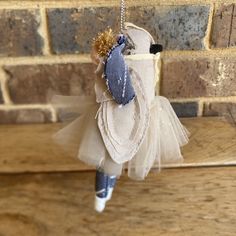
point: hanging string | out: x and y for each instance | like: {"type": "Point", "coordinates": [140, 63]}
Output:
{"type": "Point", "coordinates": [122, 14]}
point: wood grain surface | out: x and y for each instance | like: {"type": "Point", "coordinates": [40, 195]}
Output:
{"type": "Point", "coordinates": [29, 148]}
{"type": "Point", "coordinates": [178, 202]}
{"type": "Point", "coordinates": [212, 142]}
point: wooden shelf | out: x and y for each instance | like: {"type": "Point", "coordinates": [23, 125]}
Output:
{"type": "Point", "coordinates": [29, 148]}
{"type": "Point", "coordinates": [58, 201]}
{"type": "Point", "coordinates": [177, 202]}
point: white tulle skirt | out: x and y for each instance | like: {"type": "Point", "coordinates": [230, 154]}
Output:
{"type": "Point", "coordinates": [81, 137]}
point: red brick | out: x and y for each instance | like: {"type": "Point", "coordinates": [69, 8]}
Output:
{"type": "Point", "coordinates": [202, 77]}
{"type": "Point", "coordinates": [224, 109]}
{"type": "Point", "coordinates": [175, 27]}
{"type": "Point", "coordinates": [218, 108]}
{"type": "Point", "coordinates": [224, 29]}
{"type": "Point", "coordinates": [19, 33]}
{"type": "Point", "coordinates": [185, 109]}
{"type": "Point", "coordinates": [25, 116]}
{"type": "Point", "coordinates": [36, 83]}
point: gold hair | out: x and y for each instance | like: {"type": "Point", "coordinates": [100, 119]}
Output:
{"type": "Point", "coordinates": [104, 41]}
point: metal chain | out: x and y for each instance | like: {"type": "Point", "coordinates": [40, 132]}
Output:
{"type": "Point", "coordinates": [122, 14]}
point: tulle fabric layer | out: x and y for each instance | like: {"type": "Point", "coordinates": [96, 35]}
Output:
{"type": "Point", "coordinates": [162, 143]}
{"type": "Point", "coordinates": [81, 137]}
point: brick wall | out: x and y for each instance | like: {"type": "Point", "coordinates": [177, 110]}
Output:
{"type": "Point", "coordinates": [44, 48]}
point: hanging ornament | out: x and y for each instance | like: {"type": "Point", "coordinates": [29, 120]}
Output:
{"type": "Point", "coordinates": [125, 126]}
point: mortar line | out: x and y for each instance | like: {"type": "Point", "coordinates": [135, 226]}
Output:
{"type": "Point", "coordinates": [53, 113]}
{"type": "Point", "coordinates": [49, 106]}
{"type": "Point", "coordinates": [85, 58]}
{"type": "Point", "coordinates": [216, 52]}
{"type": "Point", "coordinates": [25, 106]}
{"type": "Point", "coordinates": [200, 108]}
{"type": "Point", "coordinates": [89, 3]}
{"type": "Point", "coordinates": [46, 59]}
{"type": "Point", "coordinates": [43, 31]}
{"type": "Point", "coordinates": [205, 99]}
{"type": "Point", "coordinates": [4, 87]}
{"type": "Point", "coordinates": [207, 39]}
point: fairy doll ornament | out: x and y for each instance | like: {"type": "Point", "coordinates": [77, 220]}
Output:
{"type": "Point", "coordinates": [125, 126]}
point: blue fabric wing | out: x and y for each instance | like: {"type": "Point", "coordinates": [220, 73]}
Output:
{"type": "Point", "coordinates": [117, 76]}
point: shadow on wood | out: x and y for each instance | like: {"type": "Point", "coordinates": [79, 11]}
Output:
{"type": "Point", "coordinates": [191, 202]}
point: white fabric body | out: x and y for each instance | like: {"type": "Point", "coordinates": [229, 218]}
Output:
{"type": "Point", "coordinates": [123, 129]}
{"type": "Point", "coordinates": [140, 135]}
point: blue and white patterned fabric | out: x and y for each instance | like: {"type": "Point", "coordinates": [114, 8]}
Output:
{"type": "Point", "coordinates": [117, 76]}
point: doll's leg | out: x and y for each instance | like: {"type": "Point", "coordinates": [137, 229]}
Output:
{"type": "Point", "coordinates": [106, 177]}
{"type": "Point", "coordinates": [101, 188]}
{"type": "Point", "coordinates": [104, 187]}
{"type": "Point", "coordinates": [111, 185]}
{"type": "Point", "coordinates": [113, 170]}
